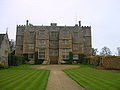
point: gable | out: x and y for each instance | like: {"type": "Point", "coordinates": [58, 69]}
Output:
{"type": "Point", "coordinates": [1, 38]}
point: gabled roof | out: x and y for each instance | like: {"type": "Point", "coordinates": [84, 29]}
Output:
{"type": "Point", "coordinates": [1, 38]}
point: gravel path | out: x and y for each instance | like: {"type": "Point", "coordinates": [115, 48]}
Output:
{"type": "Point", "coordinates": [58, 80]}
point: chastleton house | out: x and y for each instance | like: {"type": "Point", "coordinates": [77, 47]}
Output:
{"type": "Point", "coordinates": [4, 50]}
{"type": "Point", "coordinates": [53, 43]}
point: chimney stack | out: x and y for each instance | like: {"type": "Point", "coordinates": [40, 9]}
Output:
{"type": "Point", "coordinates": [27, 21]}
{"type": "Point", "coordinates": [80, 23]}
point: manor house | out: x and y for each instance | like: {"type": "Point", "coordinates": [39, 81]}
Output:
{"type": "Point", "coordinates": [53, 43]}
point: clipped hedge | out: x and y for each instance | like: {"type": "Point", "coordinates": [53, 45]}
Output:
{"type": "Point", "coordinates": [15, 60]}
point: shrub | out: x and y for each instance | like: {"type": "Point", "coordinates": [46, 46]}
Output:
{"type": "Point", "coordinates": [82, 58]}
{"type": "Point", "coordinates": [1, 66]}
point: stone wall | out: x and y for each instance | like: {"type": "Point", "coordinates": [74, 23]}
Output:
{"type": "Point", "coordinates": [111, 62]}
{"type": "Point", "coordinates": [4, 51]}
{"type": "Point", "coordinates": [108, 62]}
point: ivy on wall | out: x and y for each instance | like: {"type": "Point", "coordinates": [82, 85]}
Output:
{"type": "Point", "coordinates": [70, 58]}
{"type": "Point", "coordinates": [81, 58]}
{"type": "Point", "coordinates": [37, 60]}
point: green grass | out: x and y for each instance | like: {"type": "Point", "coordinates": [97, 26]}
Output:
{"type": "Point", "coordinates": [23, 78]}
{"type": "Point", "coordinates": [94, 79]}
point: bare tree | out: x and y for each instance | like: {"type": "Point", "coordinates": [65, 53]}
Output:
{"type": "Point", "coordinates": [118, 50]}
{"type": "Point", "coordinates": [105, 51]}
{"type": "Point", "coordinates": [12, 45]}
{"type": "Point", "coordinates": [94, 51]}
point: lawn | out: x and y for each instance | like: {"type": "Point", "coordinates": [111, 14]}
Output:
{"type": "Point", "coordinates": [94, 79]}
{"type": "Point", "coordinates": [23, 78]}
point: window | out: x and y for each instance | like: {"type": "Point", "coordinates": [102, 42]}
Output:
{"type": "Point", "coordinates": [30, 55]}
{"type": "Point", "coordinates": [65, 33]}
{"type": "Point", "coordinates": [21, 47]}
{"type": "Point", "coordinates": [41, 42]}
{"type": "Point", "coordinates": [31, 46]}
{"type": "Point", "coordinates": [20, 38]}
{"type": "Point", "coordinates": [66, 49]}
{"type": "Point", "coordinates": [76, 46]}
{"type": "Point", "coordinates": [54, 34]}
{"type": "Point", "coordinates": [31, 34]}
{"type": "Point", "coordinates": [53, 42]}
{"type": "Point", "coordinates": [75, 56]}
{"type": "Point", "coordinates": [41, 34]}
{"type": "Point", "coordinates": [42, 49]}
{"type": "Point", "coordinates": [41, 57]}
{"type": "Point", "coordinates": [65, 53]}
{"type": "Point", "coordinates": [53, 52]}
{"type": "Point", "coordinates": [66, 41]}
{"type": "Point", "coordinates": [65, 56]}
{"type": "Point", "coordinates": [41, 53]}
{"type": "Point", "coordinates": [76, 35]}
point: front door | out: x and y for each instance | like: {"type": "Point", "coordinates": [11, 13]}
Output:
{"type": "Point", "coordinates": [53, 59]}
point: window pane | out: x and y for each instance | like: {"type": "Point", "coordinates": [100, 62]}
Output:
{"type": "Point", "coordinates": [41, 42]}
{"type": "Point", "coordinates": [30, 55]}
{"type": "Point", "coordinates": [65, 53]}
{"type": "Point", "coordinates": [76, 34]}
{"type": "Point", "coordinates": [75, 56]}
{"type": "Point", "coordinates": [65, 41]}
{"type": "Point", "coordinates": [54, 34]}
{"type": "Point", "coordinates": [76, 46]}
{"type": "Point", "coordinates": [41, 34]}
{"type": "Point", "coordinates": [31, 46]}
{"type": "Point", "coordinates": [41, 53]}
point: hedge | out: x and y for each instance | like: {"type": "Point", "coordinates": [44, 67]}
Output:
{"type": "Point", "coordinates": [14, 60]}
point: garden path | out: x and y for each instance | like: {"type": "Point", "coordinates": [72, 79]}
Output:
{"type": "Point", "coordinates": [58, 80]}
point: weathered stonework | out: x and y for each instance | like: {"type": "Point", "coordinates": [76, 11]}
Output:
{"type": "Point", "coordinates": [53, 43]}
{"type": "Point", "coordinates": [4, 49]}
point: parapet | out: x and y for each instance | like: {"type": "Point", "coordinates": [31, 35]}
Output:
{"type": "Point", "coordinates": [53, 24]}
{"type": "Point", "coordinates": [21, 25]}
{"type": "Point", "coordinates": [86, 27]}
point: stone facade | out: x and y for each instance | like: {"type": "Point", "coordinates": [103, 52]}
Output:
{"type": "Point", "coordinates": [4, 49]}
{"type": "Point", "coordinates": [53, 43]}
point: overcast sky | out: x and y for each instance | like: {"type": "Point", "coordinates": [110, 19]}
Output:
{"type": "Point", "coordinates": [102, 15]}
